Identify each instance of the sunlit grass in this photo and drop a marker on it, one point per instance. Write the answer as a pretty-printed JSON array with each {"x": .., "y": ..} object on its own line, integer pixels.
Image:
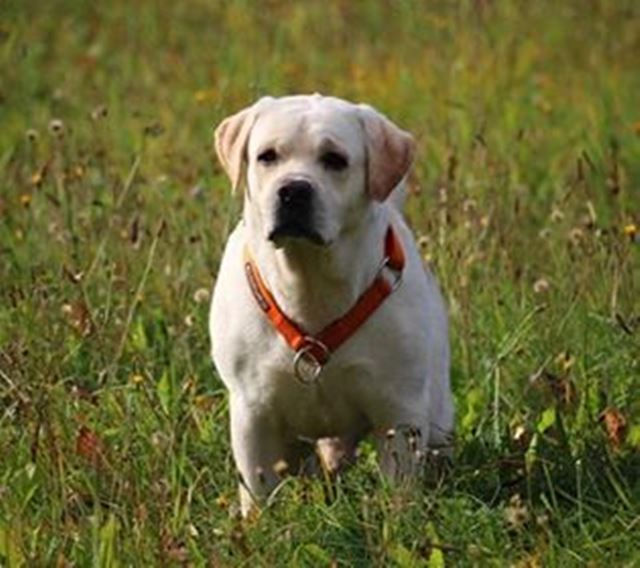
[{"x": 526, "y": 199}]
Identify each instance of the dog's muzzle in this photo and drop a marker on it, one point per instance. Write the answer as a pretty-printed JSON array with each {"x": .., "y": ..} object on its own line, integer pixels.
[{"x": 294, "y": 216}]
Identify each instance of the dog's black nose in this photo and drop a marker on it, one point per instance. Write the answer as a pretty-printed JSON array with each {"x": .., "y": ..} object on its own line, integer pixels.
[
  {"x": 296, "y": 195},
  {"x": 294, "y": 214}
]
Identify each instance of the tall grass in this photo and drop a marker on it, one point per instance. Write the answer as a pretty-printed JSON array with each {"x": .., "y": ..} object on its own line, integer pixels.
[{"x": 526, "y": 199}]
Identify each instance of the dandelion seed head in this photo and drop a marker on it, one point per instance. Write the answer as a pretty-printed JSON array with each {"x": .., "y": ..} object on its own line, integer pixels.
[
  {"x": 56, "y": 128},
  {"x": 576, "y": 235},
  {"x": 99, "y": 113},
  {"x": 556, "y": 214},
  {"x": 541, "y": 285},
  {"x": 281, "y": 467},
  {"x": 201, "y": 295}
]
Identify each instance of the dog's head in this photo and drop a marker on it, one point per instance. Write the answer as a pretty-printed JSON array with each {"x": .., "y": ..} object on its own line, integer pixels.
[{"x": 312, "y": 164}]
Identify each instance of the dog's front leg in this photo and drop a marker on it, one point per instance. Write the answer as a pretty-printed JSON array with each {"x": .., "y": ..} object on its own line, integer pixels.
[
  {"x": 258, "y": 449},
  {"x": 401, "y": 450}
]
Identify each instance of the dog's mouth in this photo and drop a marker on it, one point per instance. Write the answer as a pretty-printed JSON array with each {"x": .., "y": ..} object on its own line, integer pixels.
[{"x": 292, "y": 230}]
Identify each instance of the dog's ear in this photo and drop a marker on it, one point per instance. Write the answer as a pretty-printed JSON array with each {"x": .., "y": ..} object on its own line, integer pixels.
[
  {"x": 232, "y": 138},
  {"x": 390, "y": 152}
]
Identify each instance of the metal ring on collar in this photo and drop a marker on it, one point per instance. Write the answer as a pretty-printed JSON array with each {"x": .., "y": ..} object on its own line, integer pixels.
[
  {"x": 397, "y": 274},
  {"x": 306, "y": 366}
]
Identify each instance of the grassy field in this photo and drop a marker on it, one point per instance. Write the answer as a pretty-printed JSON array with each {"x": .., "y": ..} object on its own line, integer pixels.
[{"x": 113, "y": 213}]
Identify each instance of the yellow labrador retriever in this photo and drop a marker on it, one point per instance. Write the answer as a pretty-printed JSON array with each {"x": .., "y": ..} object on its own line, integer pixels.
[{"x": 325, "y": 324}]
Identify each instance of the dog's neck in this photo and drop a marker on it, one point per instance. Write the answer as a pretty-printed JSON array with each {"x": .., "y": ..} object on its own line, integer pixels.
[{"x": 315, "y": 285}]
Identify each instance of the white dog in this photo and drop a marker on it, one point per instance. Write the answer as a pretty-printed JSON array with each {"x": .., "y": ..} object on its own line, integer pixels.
[{"x": 325, "y": 324}]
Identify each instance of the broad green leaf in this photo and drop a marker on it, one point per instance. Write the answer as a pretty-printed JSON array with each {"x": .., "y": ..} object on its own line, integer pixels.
[
  {"x": 164, "y": 389},
  {"x": 547, "y": 420},
  {"x": 139, "y": 336},
  {"x": 108, "y": 535},
  {"x": 436, "y": 558},
  {"x": 633, "y": 438},
  {"x": 10, "y": 552},
  {"x": 316, "y": 554},
  {"x": 404, "y": 558}
]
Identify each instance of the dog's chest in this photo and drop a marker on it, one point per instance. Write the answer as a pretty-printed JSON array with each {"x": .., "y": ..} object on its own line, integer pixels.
[
  {"x": 336, "y": 403},
  {"x": 353, "y": 390}
]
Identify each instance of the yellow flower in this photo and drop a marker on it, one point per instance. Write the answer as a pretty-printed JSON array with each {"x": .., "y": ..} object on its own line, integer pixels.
[
  {"x": 137, "y": 379},
  {"x": 25, "y": 199},
  {"x": 202, "y": 96},
  {"x": 36, "y": 178},
  {"x": 631, "y": 230},
  {"x": 222, "y": 501},
  {"x": 565, "y": 360}
]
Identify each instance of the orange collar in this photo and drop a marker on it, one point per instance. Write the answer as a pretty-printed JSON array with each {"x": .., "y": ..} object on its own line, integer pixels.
[{"x": 313, "y": 352}]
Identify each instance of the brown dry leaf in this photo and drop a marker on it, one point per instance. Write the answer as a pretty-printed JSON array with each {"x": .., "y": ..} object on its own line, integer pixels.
[
  {"x": 134, "y": 233},
  {"x": 78, "y": 317},
  {"x": 62, "y": 562},
  {"x": 89, "y": 446},
  {"x": 616, "y": 426},
  {"x": 531, "y": 560},
  {"x": 174, "y": 549},
  {"x": 37, "y": 178},
  {"x": 82, "y": 393},
  {"x": 205, "y": 402},
  {"x": 141, "y": 514},
  {"x": 560, "y": 386},
  {"x": 178, "y": 553}
]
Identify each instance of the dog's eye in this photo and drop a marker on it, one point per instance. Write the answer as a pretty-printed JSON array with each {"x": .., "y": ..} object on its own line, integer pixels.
[
  {"x": 334, "y": 161},
  {"x": 269, "y": 156}
]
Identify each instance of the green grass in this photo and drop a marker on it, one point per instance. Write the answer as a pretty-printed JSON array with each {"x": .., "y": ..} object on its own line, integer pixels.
[{"x": 113, "y": 424}]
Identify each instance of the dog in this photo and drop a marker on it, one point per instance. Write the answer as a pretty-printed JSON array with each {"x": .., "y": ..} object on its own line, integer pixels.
[{"x": 326, "y": 326}]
